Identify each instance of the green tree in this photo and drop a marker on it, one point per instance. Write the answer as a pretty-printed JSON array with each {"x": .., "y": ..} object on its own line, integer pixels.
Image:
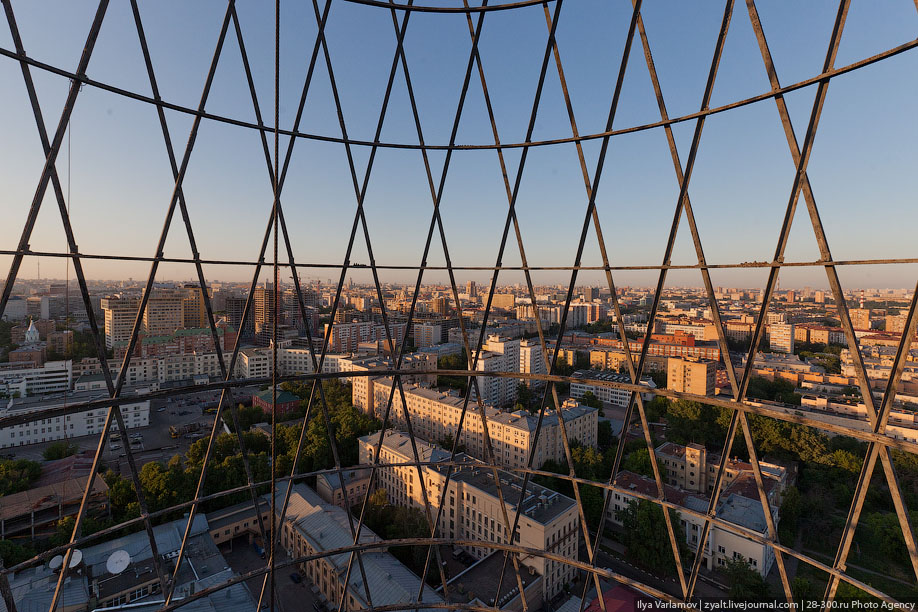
[
  {"x": 604, "y": 436},
  {"x": 589, "y": 399},
  {"x": 639, "y": 463},
  {"x": 13, "y": 554},
  {"x": 17, "y": 475},
  {"x": 790, "y": 512},
  {"x": 453, "y": 362},
  {"x": 646, "y": 539},
  {"x": 803, "y": 590},
  {"x": 744, "y": 583},
  {"x": 59, "y": 450}
]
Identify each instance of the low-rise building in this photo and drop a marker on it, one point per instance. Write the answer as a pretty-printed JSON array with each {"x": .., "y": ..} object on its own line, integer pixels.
[
  {"x": 689, "y": 375},
  {"x": 589, "y": 381},
  {"x": 88, "y": 422},
  {"x": 739, "y": 503},
  {"x": 313, "y": 526},
  {"x": 329, "y": 487}
]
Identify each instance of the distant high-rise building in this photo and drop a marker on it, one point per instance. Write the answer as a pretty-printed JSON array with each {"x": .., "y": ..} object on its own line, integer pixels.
[
  {"x": 504, "y": 301},
  {"x": 590, "y": 294},
  {"x": 264, "y": 302},
  {"x": 471, "y": 289},
  {"x": 165, "y": 312},
  {"x": 234, "y": 308},
  {"x": 860, "y": 318},
  {"x": 439, "y": 305},
  {"x": 896, "y": 323},
  {"x": 194, "y": 312},
  {"x": 819, "y": 297},
  {"x": 781, "y": 337},
  {"x": 120, "y": 313}
]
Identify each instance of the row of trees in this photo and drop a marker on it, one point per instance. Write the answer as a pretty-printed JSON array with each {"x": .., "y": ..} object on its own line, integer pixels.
[{"x": 174, "y": 482}]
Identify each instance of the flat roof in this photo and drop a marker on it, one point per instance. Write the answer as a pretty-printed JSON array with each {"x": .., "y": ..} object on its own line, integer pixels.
[{"x": 480, "y": 581}]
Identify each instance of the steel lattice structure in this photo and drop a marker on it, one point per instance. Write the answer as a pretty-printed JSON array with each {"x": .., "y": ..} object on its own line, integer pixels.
[{"x": 637, "y": 48}]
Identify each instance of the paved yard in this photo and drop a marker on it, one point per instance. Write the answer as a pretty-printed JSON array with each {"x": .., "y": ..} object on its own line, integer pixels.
[{"x": 291, "y": 597}]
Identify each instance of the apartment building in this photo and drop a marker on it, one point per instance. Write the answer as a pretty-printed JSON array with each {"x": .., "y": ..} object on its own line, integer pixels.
[
  {"x": 605, "y": 358},
  {"x": 85, "y": 423},
  {"x": 499, "y": 354},
  {"x": 346, "y": 337},
  {"x": 781, "y": 337},
  {"x": 739, "y": 504},
  {"x": 860, "y": 318},
  {"x": 427, "y": 334},
  {"x": 591, "y": 381},
  {"x": 532, "y": 362},
  {"x": 165, "y": 312},
  {"x": 120, "y": 312},
  {"x": 355, "y": 482},
  {"x": 313, "y": 526},
  {"x": 436, "y": 415},
  {"x": 548, "y": 521},
  {"x": 361, "y": 385},
  {"x": 666, "y": 346},
  {"x": 693, "y": 468},
  {"x": 688, "y": 375}
]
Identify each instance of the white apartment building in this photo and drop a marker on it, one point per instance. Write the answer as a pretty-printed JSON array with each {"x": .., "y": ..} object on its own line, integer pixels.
[
  {"x": 427, "y": 334},
  {"x": 499, "y": 354},
  {"x": 549, "y": 521},
  {"x": 532, "y": 362},
  {"x": 781, "y": 337},
  {"x": 88, "y": 422},
  {"x": 24, "y": 379},
  {"x": 435, "y": 415},
  {"x": 587, "y": 381}
]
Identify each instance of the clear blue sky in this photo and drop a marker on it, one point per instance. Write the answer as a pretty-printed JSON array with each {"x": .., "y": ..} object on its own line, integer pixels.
[{"x": 862, "y": 168}]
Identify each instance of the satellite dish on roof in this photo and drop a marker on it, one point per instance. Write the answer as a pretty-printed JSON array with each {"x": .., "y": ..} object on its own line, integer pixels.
[
  {"x": 76, "y": 558},
  {"x": 118, "y": 562},
  {"x": 56, "y": 563}
]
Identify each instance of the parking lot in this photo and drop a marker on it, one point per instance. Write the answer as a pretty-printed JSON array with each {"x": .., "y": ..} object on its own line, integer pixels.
[
  {"x": 156, "y": 443},
  {"x": 291, "y": 596}
]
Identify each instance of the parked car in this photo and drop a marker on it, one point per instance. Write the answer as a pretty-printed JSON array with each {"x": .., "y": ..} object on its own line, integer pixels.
[
  {"x": 296, "y": 577},
  {"x": 114, "y": 447}
]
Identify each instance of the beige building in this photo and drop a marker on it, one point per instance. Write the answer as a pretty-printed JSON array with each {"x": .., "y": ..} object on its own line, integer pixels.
[
  {"x": 688, "y": 375},
  {"x": 435, "y": 416},
  {"x": 692, "y": 468},
  {"x": 165, "y": 312},
  {"x": 120, "y": 314},
  {"x": 860, "y": 318},
  {"x": 532, "y": 362},
  {"x": 607, "y": 358},
  {"x": 781, "y": 337},
  {"x": 504, "y": 301},
  {"x": 328, "y": 486},
  {"x": 549, "y": 521}
]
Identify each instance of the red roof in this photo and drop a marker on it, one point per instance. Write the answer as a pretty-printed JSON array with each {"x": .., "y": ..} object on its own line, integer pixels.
[{"x": 618, "y": 599}]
